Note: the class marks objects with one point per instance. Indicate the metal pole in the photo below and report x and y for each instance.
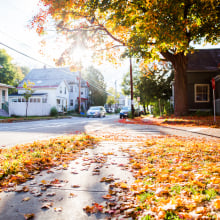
(79, 91)
(131, 84)
(214, 104)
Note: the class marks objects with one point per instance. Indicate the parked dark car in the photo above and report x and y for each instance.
(96, 111)
(125, 111)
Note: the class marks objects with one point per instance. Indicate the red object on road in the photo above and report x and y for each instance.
(213, 83)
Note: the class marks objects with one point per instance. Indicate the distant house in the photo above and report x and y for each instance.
(53, 87)
(203, 65)
(4, 99)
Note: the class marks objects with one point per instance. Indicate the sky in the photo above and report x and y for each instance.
(15, 15)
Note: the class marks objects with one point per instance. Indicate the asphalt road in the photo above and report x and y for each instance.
(25, 132)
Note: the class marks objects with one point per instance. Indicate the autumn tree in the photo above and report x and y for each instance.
(149, 30)
(28, 92)
(151, 84)
(9, 73)
(97, 85)
(112, 97)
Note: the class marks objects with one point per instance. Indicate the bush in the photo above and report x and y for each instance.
(202, 113)
(53, 111)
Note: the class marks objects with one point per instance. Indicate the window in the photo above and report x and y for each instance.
(201, 92)
(64, 90)
(3, 96)
(71, 102)
(58, 101)
(44, 100)
(71, 88)
(60, 89)
(81, 93)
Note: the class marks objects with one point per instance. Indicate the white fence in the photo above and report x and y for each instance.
(34, 109)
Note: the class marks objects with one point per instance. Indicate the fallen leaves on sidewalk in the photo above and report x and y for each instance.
(202, 121)
(175, 178)
(20, 163)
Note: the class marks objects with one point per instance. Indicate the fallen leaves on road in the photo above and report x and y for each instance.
(20, 163)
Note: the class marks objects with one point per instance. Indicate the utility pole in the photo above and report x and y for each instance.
(79, 91)
(131, 84)
(115, 94)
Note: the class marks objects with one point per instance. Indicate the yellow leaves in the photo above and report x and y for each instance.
(198, 198)
(216, 180)
(136, 165)
(124, 185)
(26, 199)
(198, 183)
(44, 182)
(47, 205)
(40, 155)
(175, 172)
(29, 216)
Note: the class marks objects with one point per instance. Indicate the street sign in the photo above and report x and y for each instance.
(213, 89)
(213, 83)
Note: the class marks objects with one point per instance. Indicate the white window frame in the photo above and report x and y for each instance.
(71, 88)
(71, 102)
(195, 93)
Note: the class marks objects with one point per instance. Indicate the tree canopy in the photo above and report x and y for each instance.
(97, 86)
(112, 97)
(9, 73)
(150, 85)
(148, 29)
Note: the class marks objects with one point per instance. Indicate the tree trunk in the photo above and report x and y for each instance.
(144, 108)
(179, 62)
(26, 108)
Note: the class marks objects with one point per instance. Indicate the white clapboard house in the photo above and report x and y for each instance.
(53, 87)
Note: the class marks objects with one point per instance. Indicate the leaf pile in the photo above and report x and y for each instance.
(175, 178)
(19, 163)
(202, 121)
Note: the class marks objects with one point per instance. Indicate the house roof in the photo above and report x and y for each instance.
(5, 85)
(34, 94)
(48, 77)
(204, 60)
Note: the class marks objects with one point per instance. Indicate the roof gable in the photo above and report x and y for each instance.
(204, 60)
(48, 77)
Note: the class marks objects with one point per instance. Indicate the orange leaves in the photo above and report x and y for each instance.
(216, 203)
(93, 209)
(20, 162)
(175, 175)
(175, 121)
(29, 216)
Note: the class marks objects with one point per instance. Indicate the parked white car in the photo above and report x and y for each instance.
(96, 111)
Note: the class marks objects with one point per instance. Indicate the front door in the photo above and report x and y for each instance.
(3, 98)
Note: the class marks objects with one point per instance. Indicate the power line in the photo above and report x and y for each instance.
(32, 58)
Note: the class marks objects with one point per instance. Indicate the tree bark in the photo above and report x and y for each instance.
(179, 62)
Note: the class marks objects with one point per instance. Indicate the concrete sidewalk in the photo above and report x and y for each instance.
(61, 193)
(200, 130)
